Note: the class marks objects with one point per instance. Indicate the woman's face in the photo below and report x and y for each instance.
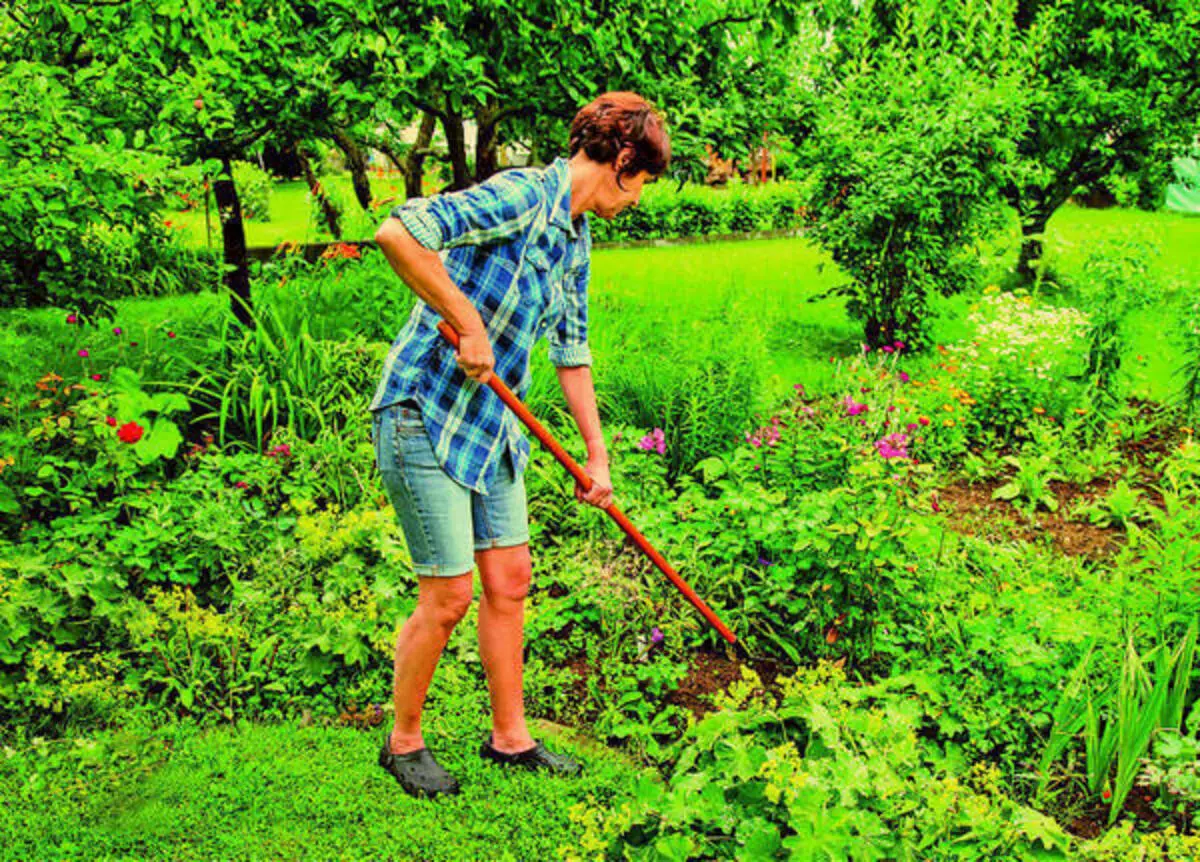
(616, 198)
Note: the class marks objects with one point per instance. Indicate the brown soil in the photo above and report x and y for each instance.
(708, 672)
(1093, 820)
(971, 509)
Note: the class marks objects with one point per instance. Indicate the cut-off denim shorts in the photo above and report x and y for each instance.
(443, 521)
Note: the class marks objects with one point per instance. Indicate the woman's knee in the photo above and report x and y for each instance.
(446, 600)
(506, 573)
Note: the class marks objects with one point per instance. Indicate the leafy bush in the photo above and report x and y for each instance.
(253, 186)
(78, 204)
(907, 160)
(763, 777)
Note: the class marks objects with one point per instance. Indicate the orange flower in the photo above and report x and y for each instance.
(1039, 410)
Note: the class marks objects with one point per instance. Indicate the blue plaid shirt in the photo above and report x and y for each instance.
(511, 247)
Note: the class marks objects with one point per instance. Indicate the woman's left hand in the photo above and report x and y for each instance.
(601, 493)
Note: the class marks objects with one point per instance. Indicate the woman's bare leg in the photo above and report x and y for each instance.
(505, 574)
(442, 602)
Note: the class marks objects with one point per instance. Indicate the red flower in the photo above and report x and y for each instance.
(130, 432)
(170, 333)
(111, 421)
(1106, 794)
(240, 484)
(95, 376)
(71, 318)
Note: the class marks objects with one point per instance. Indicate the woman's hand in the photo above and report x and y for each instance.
(475, 356)
(601, 494)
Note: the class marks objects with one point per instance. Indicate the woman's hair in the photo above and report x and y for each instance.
(617, 120)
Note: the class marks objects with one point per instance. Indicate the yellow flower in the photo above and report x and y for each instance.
(991, 288)
(1038, 410)
(949, 423)
(948, 407)
(1184, 429)
(1081, 411)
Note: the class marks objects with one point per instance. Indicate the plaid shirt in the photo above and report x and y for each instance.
(511, 247)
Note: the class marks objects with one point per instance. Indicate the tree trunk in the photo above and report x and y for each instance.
(452, 125)
(327, 208)
(233, 232)
(414, 164)
(1031, 246)
(485, 140)
(357, 163)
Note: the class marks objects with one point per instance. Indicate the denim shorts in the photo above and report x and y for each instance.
(443, 521)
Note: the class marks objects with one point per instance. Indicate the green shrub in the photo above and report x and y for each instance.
(253, 186)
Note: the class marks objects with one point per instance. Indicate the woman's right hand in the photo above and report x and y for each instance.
(475, 355)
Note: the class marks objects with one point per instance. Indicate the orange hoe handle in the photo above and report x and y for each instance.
(585, 480)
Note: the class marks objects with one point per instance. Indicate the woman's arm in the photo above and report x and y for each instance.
(576, 382)
(422, 270)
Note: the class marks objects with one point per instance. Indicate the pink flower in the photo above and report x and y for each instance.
(116, 330)
(911, 426)
(904, 378)
(71, 318)
(95, 376)
(933, 501)
(853, 408)
(899, 345)
(240, 484)
(893, 446)
(865, 349)
(886, 349)
(83, 352)
(655, 441)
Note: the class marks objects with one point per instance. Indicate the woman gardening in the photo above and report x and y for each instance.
(503, 263)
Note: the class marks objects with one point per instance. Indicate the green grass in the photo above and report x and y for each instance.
(293, 217)
(284, 792)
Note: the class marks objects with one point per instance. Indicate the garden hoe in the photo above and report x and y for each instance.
(585, 481)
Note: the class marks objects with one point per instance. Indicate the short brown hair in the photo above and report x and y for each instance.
(617, 120)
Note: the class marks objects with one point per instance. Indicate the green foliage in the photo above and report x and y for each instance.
(906, 155)
(694, 210)
(79, 202)
(1120, 719)
(254, 191)
(826, 772)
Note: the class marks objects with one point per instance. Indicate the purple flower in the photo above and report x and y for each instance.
(763, 561)
(656, 636)
(116, 330)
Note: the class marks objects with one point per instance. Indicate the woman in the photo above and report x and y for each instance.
(514, 265)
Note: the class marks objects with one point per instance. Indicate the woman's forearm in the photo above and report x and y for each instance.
(576, 382)
(422, 270)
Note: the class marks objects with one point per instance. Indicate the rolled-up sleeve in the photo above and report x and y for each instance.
(569, 335)
(498, 208)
